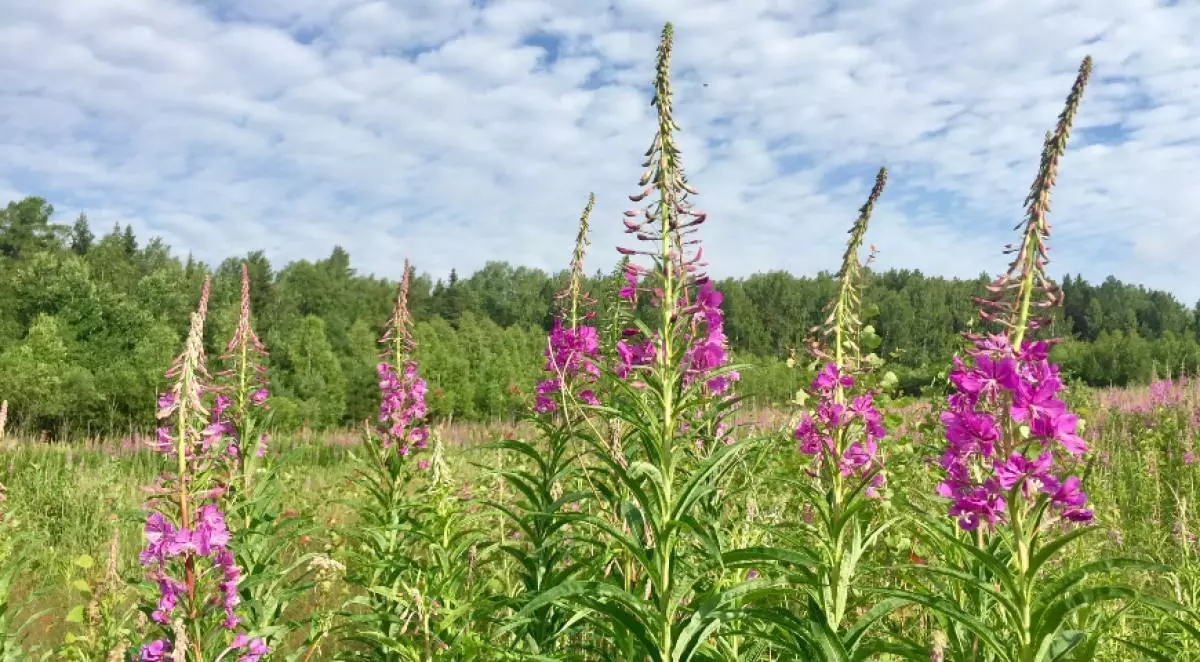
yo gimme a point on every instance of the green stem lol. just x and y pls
(1023, 540)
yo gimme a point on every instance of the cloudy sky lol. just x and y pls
(458, 131)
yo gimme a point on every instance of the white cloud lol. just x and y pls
(445, 131)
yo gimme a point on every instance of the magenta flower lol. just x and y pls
(155, 651)
(844, 436)
(402, 407)
(572, 358)
(996, 393)
(255, 648)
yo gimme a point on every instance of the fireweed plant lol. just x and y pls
(669, 387)
(263, 542)
(1011, 446)
(413, 560)
(545, 473)
(241, 409)
(187, 554)
(840, 431)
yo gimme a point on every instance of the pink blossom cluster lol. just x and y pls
(633, 353)
(221, 426)
(207, 538)
(161, 650)
(819, 433)
(165, 440)
(707, 343)
(1005, 430)
(402, 408)
(705, 338)
(571, 357)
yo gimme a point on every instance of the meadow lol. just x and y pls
(639, 509)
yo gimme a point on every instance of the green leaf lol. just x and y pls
(85, 562)
(81, 585)
(75, 615)
(1064, 642)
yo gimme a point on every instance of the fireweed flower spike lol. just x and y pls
(186, 553)
(1010, 445)
(402, 392)
(669, 386)
(234, 416)
(1006, 428)
(842, 430)
(407, 544)
(544, 548)
(573, 347)
(689, 305)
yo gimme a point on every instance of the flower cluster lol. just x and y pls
(247, 383)
(1006, 429)
(707, 347)
(402, 392)
(206, 538)
(633, 353)
(161, 650)
(402, 407)
(176, 544)
(570, 358)
(825, 431)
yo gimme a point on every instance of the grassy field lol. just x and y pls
(66, 503)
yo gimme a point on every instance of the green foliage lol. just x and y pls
(118, 302)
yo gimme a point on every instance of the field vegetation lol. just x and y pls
(645, 464)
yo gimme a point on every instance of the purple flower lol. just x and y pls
(155, 651)
(629, 291)
(571, 357)
(1031, 474)
(976, 506)
(845, 437)
(1001, 389)
(632, 355)
(401, 407)
(830, 378)
(255, 648)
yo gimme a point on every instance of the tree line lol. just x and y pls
(88, 324)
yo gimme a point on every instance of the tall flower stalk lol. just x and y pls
(573, 347)
(187, 552)
(237, 408)
(1011, 445)
(545, 473)
(263, 542)
(669, 388)
(403, 531)
(841, 432)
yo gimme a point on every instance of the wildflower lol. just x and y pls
(255, 648)
(824, 431)
(155, 651)
(573, 348)
(571, 357)
(402, 409)
(996, 393)
(1007, 430)
(245, 389)
(185, 527)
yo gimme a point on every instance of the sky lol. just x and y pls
(454, 132)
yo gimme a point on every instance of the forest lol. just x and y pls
(87, 321)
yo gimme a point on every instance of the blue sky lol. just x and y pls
(459, 131)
